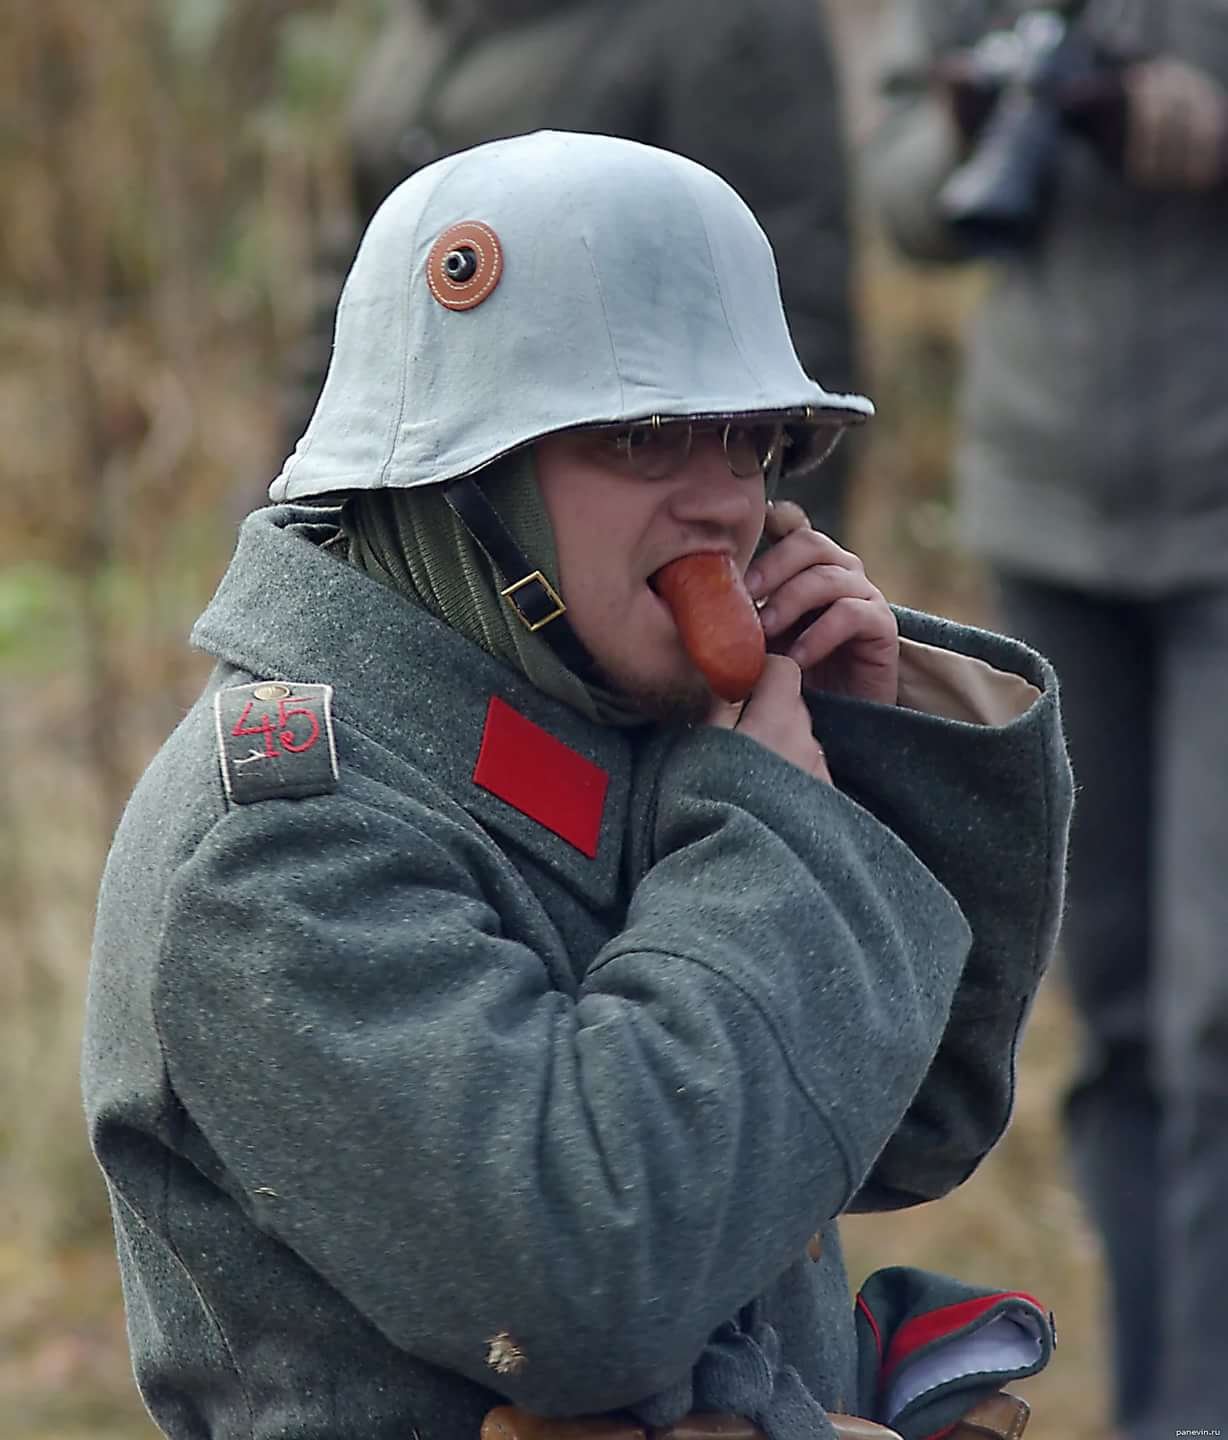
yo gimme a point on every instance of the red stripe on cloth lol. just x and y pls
(541, 777)
(925, 1329)
(873, 1323)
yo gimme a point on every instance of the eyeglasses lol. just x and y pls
(657, 449)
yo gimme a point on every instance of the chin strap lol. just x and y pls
(538, 605)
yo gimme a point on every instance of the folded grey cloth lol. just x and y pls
(740, 1373)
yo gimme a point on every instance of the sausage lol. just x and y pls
(716, 619)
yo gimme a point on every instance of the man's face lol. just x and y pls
(614, 528)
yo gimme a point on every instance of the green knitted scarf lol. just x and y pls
(413, 541)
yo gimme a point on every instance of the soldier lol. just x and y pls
(483, 1010)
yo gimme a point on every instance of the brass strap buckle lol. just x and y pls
(511, 592)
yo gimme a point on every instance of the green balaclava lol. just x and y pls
(414, 542)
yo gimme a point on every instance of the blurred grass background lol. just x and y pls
(166, 166)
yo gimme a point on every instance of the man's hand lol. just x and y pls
(820, 610)
(1176, 126)
(777, 717)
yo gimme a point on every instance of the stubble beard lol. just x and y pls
(682, 700)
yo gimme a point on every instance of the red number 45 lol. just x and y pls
(280, 733)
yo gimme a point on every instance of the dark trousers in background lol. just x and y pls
(1145, 952)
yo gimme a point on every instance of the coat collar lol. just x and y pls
(286, 609)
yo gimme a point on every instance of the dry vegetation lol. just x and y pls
(166, 163)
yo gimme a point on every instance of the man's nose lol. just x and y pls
(707, 492)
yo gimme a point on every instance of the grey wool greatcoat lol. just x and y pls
(511, 1055)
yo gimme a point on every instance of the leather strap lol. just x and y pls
(851, 1427)
(708, 1427)
(1002, 1417)
(509, 1422)
(536, 603)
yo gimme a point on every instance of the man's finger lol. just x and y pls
(783, 517)
(811, 591)
(798, 551)
(846, 620)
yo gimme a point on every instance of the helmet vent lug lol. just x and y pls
(460, 265)
(464, 265)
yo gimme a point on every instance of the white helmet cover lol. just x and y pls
(622, 282)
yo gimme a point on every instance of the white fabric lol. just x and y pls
(961, 687)
(1007, 1343)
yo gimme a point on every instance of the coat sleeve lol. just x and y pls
(987, 809)
(557, 1195)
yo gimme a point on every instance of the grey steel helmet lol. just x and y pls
(545, 283)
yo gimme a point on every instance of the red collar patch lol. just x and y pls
(541, 777)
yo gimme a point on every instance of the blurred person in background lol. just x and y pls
(746, 87)
(1083, 149)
